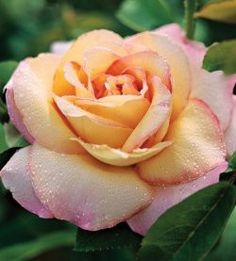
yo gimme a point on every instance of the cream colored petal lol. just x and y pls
(158, 112)
(118, 157)
(177, 61)
(90, 194)
(197, 148)
(126, 109)
(32, 87)
(92, 128)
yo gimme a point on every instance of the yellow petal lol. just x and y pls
(197, 148)
(32, 86)
(149, 61)
(96, 61)
(92, 128)
(177, 61)
(158, 112)
(100, 38)
(126, 109)
(71, 76)
(118, 157)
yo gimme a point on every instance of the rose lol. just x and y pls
(121, 129)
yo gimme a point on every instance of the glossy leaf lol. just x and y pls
(189, 230)
(225, 248)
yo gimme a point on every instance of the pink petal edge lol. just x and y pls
(166, 197)
(14, 113)
(60, 47)
(214, 88)
(16, 177)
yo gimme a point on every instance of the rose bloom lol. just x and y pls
(120, 129)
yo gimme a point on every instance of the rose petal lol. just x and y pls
(92, 128)
(149, 61)
(216, 90)
(16, 177)
(177, 61)
(117, 157)
(14, 113)
(213, 88)
(88, 193)
(195, 51)
(101, 38)
(32, 85)
(126, 109)
(230, 134)
(166, 197)
(60, 47)
(197, 148)
(97, 60)
(158, 112)
(71, 76)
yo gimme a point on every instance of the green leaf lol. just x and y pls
(3, 145)
(221, 56)
(6, 70)
(141, 15)
(31, 249)
(190, 8)
(13, 137)
(225, 250)
(232, 162)
(118, 237)
(189, 230)
(6, 155)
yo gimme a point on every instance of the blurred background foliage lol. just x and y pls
(28, 28)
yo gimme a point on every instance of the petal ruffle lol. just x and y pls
(84, 191)
(101, 38)
(214, 88)
(177, 61)
(148, 61)
(96, 61)
(126, 109)
(157, 114)
(166, 197)
(92, 128)
(197, 148)
(195, 51)
(117, 157)
(32, 85)
(15, 114)
(16, 177)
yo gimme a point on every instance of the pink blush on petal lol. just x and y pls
(16, 177)
(166, 197)
(15, 115)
